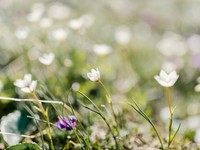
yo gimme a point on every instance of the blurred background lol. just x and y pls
(130, 41)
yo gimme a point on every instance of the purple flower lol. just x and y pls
(66, 123)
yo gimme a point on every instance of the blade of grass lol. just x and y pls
(139, 111)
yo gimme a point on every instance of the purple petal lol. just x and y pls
(73, 118)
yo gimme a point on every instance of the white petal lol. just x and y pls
(98, 73)
(19, 83)
(91, 77)
(160, 81)
(172, 74)
(33, 85)
(26, 90)
(47, 59)
(170, 84)
(27, 79)
(93, 71)
(197, 88)
(163, 75)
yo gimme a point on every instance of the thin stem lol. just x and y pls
(22, 135)
(139, 111)
(111, 104)
(41, 101)
(168, 100)
(45, 115)
(171, 115)
(107, 93)
(99, 112)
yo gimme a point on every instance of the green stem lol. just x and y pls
(171, 115)
(111, 104)
(139, 111)
(99, 112)
(45, 115)
(168, 100)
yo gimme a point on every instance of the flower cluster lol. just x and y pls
(66, 123)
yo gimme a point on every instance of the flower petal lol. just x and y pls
(160, 81)
(26, 90)
(19, 83)
(163, 75)
(33, 85)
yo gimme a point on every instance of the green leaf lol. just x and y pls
(173, 136)
(24, 146)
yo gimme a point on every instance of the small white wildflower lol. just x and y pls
(59, 11)
(75, 24)
(94, 75)
(22, 33)
(59, 34)
(172, 44)
(47, 59)
(45, 22)
(102, 49)
(123, 35)
(197, 88)
(26, 84)
(37, 11)
(166, 80)
(83, 22)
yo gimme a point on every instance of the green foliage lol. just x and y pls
(24, 146)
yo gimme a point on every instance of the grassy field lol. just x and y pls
(104, 74)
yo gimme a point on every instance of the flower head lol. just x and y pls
(26, 84)
(94, 75)
(66, 123)
(102, 49)
(47, 59)
(166, 80)
(59, 34)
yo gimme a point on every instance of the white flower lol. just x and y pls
(75, 24)
(84, 21)
(22, 33)
(36, 12)
(47, 59)
(59, 11)
(123, 35)
(45, 22)
(26, 84)
(172, 44)
(94, 75)
(60, 34)
(166, 80)
(102, 49)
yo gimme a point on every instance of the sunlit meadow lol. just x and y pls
(104, 74)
